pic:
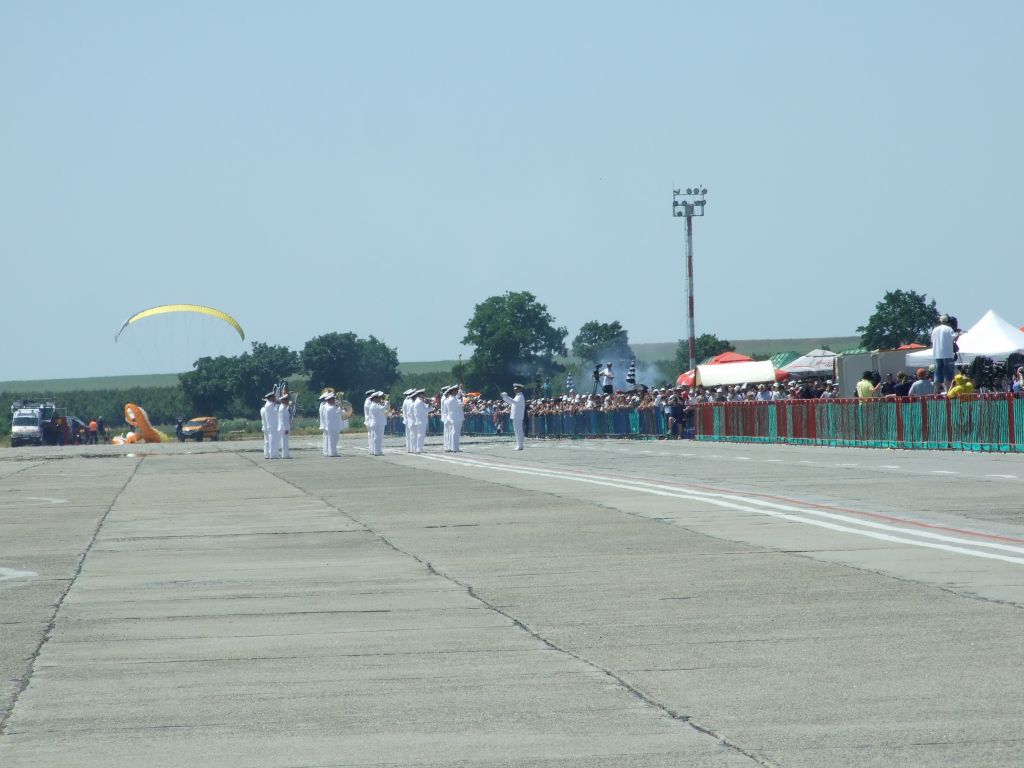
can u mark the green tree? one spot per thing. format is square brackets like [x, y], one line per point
[901, 317]
[602, 341]
[210, 387]
[514, 337]
[330, 361]
[349, 364]
[258, 372]
[708, 345]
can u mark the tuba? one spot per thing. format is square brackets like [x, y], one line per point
[344, 405]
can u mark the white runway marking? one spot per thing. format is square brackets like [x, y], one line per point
[6, 574]
[47, 499]
[1005, 477]
[844, 523]
[944, 472]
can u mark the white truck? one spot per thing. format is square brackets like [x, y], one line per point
[31, 422]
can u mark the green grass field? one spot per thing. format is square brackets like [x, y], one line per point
[98, 382]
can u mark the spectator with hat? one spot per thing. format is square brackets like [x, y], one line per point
[922, 384]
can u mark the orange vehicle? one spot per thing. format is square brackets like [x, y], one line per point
[200, 428]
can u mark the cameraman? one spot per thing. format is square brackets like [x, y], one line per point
[944, 351]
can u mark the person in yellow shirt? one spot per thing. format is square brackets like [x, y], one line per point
[961, 386]
[866, 387]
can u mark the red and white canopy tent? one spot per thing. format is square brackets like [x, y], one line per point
[731, 368]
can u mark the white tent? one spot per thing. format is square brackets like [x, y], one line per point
[989, 337]
[817, 362]
[735, 373]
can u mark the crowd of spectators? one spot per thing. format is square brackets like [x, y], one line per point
[677, 402]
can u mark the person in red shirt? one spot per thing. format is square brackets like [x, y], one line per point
[93, 432]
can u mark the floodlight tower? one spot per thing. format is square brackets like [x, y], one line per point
[689, 203]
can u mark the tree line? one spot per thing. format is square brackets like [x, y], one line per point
[514, 337]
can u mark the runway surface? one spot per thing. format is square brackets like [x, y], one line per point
[579, 603]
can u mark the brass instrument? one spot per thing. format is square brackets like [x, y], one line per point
[344, 405]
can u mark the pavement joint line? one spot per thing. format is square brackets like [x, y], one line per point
[626, 685]
[26, 678]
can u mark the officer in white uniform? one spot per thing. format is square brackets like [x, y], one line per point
[420, 419]
[407, 420]
[457, 416]
[517, 403]
[332, 424]
[367, 417]
[377, 420]
[268, 419]
[446, 423]
[284, 425]
[323, 423]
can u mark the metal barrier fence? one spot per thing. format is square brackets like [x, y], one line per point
[990, 422]
[622, 422]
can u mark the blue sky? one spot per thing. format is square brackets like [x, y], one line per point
[383, 168]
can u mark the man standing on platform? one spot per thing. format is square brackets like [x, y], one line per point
[943, 351]
[420, 417]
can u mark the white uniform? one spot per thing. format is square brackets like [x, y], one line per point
[407, 421]
[457, 416]
[268, 419]
[284, 427]
[420, 420]
[446, 421]
[332, 425]
[376, 419]
[368, 423]
[323, 427]
[518, 414]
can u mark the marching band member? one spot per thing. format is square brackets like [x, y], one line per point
[407, 420]
[284, 426]
[367, 418]
[377, 420]
[332, 424]
[268, 420]
[420, 418]
[445, 420]
[457, 416]
[323, 422]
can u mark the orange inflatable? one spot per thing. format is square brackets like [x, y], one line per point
[138, 418]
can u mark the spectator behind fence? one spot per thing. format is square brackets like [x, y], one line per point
[962, 386]
[922, 385]
[867, 387]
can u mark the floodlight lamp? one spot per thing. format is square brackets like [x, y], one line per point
[704, 191]
[689, 191]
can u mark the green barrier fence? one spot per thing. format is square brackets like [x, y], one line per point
[988, 422]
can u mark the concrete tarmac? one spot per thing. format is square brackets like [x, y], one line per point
[580, 603]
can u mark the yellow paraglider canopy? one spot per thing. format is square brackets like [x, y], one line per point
[165, 308]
